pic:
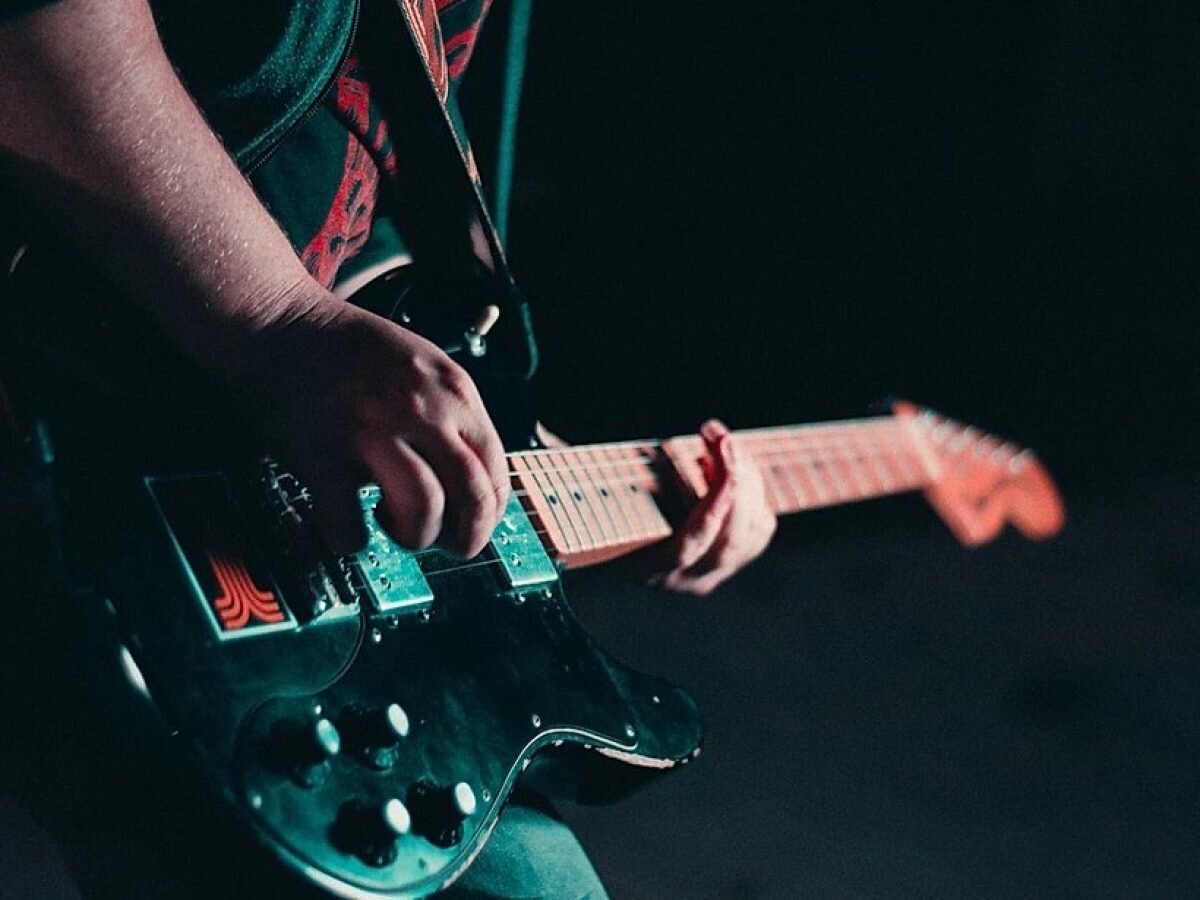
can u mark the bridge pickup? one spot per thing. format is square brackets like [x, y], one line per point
[519, 550]
[391, 577]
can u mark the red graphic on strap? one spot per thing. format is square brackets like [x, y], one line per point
[460, 45]
[240, 600]
[368, 149]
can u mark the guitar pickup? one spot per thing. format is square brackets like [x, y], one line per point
[519, 550]
[391, 577]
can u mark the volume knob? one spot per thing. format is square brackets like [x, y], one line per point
[325, 740]
[303, 749]
[370, 831]
[439, 812]
[376, 735]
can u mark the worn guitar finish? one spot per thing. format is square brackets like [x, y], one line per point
[368, 715]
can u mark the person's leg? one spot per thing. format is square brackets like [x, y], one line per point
[532, 853]
[31, 865]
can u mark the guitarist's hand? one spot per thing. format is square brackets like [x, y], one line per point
[350, 397]
[728, 528]
[157, 203]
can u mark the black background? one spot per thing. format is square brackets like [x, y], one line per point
[783, 212]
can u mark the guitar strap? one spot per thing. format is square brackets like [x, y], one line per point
[452, 230]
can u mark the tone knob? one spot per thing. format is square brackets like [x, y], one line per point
[439, 812]
[375, 735]
[464, 799]
[370, 831]
[396, 818]
[303, 749]
[325, 739]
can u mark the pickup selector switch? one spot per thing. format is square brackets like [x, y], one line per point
[375, 735]
[438, 813]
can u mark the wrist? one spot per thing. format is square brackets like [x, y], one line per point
[243, 341]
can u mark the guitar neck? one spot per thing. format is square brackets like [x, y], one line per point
[597, 502]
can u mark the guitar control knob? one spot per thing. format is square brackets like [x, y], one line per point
[439, 812]
[326, 740]
[464, 799]
[375, 735]
[370, 831]
[303, 749]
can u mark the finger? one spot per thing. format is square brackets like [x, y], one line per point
[548, 437]
[710, 515]
[472, 506]
[336, 508]
[712, 431]
[719, 563]
[485, 442]
[413, 501]
[477, 431]
[747, 534]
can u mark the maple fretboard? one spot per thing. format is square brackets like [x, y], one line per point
[599, 501]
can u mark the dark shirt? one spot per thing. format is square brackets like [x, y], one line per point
[326, 181]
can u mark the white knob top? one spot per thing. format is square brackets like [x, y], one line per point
[397, 719]
[396, 817]
[326, 735]
[464, 798]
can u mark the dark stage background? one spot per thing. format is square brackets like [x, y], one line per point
[782, 212]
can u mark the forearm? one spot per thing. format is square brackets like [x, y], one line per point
[105, 141]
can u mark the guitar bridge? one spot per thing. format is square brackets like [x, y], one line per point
[390, 575]
[519, 550]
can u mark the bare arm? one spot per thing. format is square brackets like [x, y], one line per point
[103, 137]
[113, 149]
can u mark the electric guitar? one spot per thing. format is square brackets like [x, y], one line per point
[368, 715]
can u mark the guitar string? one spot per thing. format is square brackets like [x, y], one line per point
[544, 532]
[644, 463]
[840, 431]
[635, 467]
[800, 454]
[423, 554]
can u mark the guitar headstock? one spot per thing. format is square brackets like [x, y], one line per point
[981, 482]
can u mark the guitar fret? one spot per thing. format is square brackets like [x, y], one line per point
[609, 527]
[553, 493]
[597, 498]
[872, 453]
[570, 496]
[611, 480]
[616, 496]
[815, 480]
[600, 497]
[811, 466]
[633, 491]
[585, 493]
[537, 503]
[771, 478]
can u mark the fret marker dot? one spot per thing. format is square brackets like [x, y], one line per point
[577, 495]
[552, 498]
[603, 492]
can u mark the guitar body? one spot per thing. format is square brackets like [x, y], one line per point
[366, 716]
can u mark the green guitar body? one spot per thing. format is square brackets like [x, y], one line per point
[367, 716]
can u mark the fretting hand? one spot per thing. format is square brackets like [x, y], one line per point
[727, 529]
